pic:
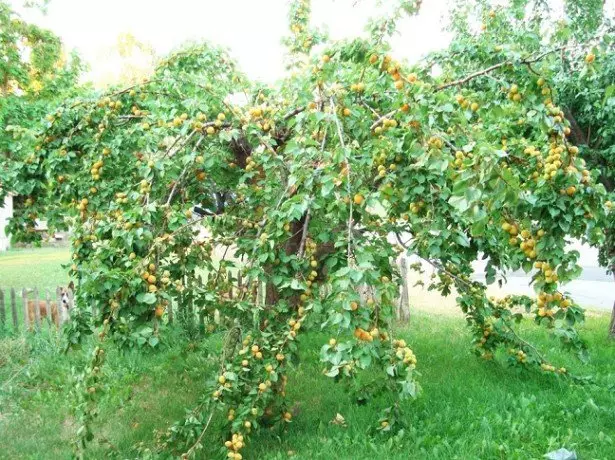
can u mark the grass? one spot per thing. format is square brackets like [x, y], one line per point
[468, 409]
[30, 268]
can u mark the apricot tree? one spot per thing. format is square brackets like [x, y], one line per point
[302, 187]
[582, 73]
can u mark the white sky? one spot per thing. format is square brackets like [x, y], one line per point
[251, 29]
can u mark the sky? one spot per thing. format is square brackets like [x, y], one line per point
[251, 29]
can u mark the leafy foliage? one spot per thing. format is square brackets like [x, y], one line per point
[580, 72]
[303, 187]
[35, 77]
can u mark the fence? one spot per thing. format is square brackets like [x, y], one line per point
[27, 309]
[235, 286]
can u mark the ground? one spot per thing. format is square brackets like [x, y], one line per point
[468, 408]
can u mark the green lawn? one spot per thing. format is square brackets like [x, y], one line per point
[34, 268]
[469, 408]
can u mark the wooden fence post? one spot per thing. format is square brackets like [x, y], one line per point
[2, 311]
[170, 312]
[37, 309]
[49, 315]
[403, 308]
[60, 307]
[24, 299]
[14, 311]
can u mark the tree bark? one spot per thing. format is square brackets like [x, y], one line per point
[403, 307]
[577, 136]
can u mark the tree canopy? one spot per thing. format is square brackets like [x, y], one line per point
[467, 154]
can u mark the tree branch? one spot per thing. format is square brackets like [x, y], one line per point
[526, 62]
[304, 234]
[294, 112]
[347, 161]
[382, 118]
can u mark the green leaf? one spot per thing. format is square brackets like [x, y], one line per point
[147, 298]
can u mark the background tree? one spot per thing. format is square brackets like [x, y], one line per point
[304, 186]
[35, 76]
[130, 60]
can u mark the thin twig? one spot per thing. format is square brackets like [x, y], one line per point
[294, 112]
[198, 441]
[376, 114]
[527, 344]
[181, 176]
[436, 265]
[306, 223]
[383, 117]
[186, 139]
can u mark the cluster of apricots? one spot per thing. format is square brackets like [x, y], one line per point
[404, 353]
[235, 444]
[546, 301]
[514, 94]
[149, 277]
[549, 273]
[550, 368]
[385, 124]
[460, 156]
[465, 103]
[524, 238]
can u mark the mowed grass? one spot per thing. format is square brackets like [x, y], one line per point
[34, 268]
[468, 408]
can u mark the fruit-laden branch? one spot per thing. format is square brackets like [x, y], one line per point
[468, 284]
[497, 66]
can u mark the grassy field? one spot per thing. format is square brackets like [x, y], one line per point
[30, 268]
[468, 409]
